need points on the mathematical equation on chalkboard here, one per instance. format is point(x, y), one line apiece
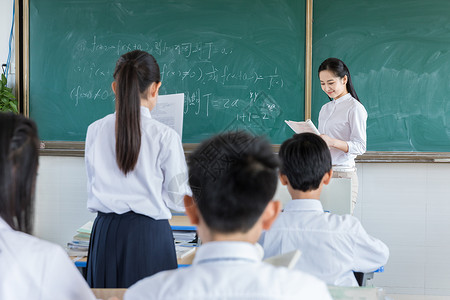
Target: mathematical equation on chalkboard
point(214, 77)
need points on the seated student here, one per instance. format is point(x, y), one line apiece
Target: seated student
point(332, 246)
point(29, 268)
point(233, 178)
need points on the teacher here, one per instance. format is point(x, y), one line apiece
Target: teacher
point(342, 121)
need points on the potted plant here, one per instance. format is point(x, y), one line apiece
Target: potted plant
point(8, 102)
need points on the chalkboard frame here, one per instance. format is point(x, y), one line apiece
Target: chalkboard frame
point(27, 38)
point(64, 148)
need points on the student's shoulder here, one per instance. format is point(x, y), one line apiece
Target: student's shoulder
point(101, 122)
point(345, 223)
point(295, 282)
point(158, 130)
point(155, 286)
point(34, 249)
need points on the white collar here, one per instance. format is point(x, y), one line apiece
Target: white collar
point(304, 205)
point(228, 251)
point(145, 112)
point(346, 97)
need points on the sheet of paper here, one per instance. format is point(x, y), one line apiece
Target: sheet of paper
point(300, 127)
point(169, 111)
point(287, 260)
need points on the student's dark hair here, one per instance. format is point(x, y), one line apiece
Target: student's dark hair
point(305, 158)
point(135, 72)
point(233, 176)
point(19, 145)
point(339, 68)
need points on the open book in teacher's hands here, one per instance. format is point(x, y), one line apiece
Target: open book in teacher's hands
point(300, 127)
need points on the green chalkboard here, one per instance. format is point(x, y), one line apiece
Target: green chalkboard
point(239, 63)
point(398, 53)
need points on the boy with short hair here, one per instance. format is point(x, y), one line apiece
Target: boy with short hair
point(233, 177)
point(332, 246)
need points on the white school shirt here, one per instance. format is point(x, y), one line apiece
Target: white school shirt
point(35, 269)
point(345, 119)
point(156, 185)
point(332, 246)
point(229, 270)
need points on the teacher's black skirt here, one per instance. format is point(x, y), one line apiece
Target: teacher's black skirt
point(126, 248)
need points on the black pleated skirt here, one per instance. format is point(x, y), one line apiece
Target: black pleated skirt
point(127, 248)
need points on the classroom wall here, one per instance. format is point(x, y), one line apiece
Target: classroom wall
point(5, 27)
point(6, 11)
point(407, 207)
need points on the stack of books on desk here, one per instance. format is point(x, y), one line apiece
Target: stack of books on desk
point(183, 237)
point(79, 245)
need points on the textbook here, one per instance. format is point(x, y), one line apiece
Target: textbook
point(183, 251)
point(287, 260)
point(86, 228)
point(79, 245)
point(300, 127)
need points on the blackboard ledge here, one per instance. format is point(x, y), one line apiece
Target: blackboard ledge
point(403, 157)
point(76, 149)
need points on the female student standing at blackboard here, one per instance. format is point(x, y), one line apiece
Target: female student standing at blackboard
point(136, 173)
point(342, 121)
point(29, 268)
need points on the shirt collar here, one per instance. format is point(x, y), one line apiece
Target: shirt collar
point(343, 98)
point(4, 225)
point(145, 112)
point(223, 251)
point(304, 205)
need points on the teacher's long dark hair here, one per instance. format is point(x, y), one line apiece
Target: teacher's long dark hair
point(135, 72)
point(339, 68)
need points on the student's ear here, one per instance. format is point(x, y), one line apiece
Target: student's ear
point(327, 177)
point(283, 179)
point(113, 86)
point(344, 79)
point(191, 210)
point(270, 214)
point(154, 89)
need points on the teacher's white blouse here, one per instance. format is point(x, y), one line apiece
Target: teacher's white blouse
point(35, 269)
point(345, 119)
point(156, 185)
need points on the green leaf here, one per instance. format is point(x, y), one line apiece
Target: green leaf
point(14, 107)
point(9, 95)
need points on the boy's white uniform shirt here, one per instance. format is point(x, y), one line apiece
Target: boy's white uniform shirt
point(157, 184)
point(229, 270)
point(35, 269)
point(345, 119)
point(332, 246)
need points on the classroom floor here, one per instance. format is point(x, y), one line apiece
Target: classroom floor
point(415, 297)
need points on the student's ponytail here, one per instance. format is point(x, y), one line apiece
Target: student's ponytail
point(339, 68)
point(128, 118)
point(135, 72)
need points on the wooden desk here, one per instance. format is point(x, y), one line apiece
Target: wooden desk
point(105, 294)
point(360, 293)
point(181, 222)
point(344, 293)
